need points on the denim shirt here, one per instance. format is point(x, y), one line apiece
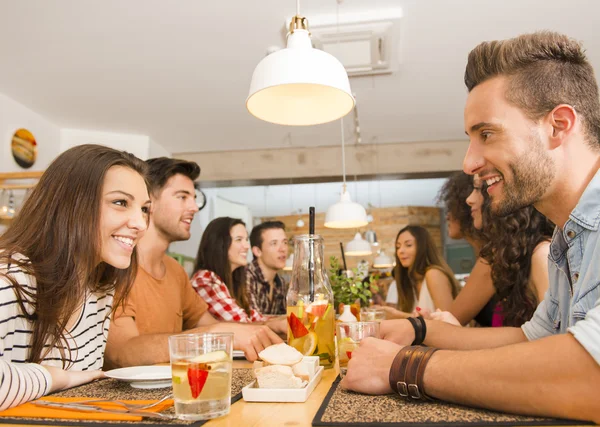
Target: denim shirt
point(572, 303)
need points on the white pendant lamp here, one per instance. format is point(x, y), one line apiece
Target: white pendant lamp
point(345, 213)
point(382, 261)
point(358, 247)
point(299, 85)
point(289, 263)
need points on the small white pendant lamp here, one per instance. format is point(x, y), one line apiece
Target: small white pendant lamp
point(358, 246)
point(382, 261)
point(345, 213)
point(299, 85)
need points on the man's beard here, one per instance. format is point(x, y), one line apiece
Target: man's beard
point(171, 232)
point(532, 174)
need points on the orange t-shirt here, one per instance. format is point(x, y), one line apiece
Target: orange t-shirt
point(168, 305)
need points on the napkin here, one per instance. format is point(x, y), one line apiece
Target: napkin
point(29, 410)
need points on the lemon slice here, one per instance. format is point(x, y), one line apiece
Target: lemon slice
point(306, 344)
point(215, 356)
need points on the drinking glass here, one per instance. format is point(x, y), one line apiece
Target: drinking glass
point(348, 336)
point(372, 314)
point(201, 369)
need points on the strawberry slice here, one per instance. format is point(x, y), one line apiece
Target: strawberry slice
point(317, 310)
point(298, 329)
point(197, 375)
point(349, 354)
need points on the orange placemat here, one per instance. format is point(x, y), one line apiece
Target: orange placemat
point(29, 410)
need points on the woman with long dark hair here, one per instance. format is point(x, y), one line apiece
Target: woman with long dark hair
point(517, 249)
point(68, 258)
point(422, 277)
point(220, 273)
point(512, 275)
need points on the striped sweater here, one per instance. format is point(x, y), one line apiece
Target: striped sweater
point(20, 381)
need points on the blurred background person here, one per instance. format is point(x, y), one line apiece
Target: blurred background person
point(266, 291)
point(421, 276)
point(220, 274)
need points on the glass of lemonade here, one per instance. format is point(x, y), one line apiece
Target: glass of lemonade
point(201, 369)
point(348, 336)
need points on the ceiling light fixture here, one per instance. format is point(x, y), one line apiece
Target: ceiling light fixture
point(345, 213)
point(358, 246)
point(382, 261)
point(299, 85)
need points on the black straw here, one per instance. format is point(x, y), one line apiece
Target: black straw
point(311, 251)
point(343, 256)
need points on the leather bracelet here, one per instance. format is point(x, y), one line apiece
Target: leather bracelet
point(418, 325)
point(407, 371)
point(421, 320)
point(398, 369)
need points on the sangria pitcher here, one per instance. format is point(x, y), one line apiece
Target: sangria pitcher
point(310, 313)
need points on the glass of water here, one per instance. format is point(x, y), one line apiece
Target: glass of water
point(201, 370)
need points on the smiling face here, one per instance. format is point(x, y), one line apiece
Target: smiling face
point(506, 149)
point(238, 250)
point(274, 249)
point(174, 208)
point(123, 215)
point(475, 201)
point(406, 249)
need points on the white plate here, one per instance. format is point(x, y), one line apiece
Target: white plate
point(251, 393)
point(143, 376)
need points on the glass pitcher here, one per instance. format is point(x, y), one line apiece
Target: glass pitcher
point(310, 312)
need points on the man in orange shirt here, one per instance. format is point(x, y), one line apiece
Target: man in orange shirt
point(162, 301)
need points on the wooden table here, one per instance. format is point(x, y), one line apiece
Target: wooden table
point(276, 414)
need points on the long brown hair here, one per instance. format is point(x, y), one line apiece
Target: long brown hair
point(213, 256)
point(427, 257)
point(57, 231)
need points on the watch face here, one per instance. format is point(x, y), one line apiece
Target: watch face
point(200, 199)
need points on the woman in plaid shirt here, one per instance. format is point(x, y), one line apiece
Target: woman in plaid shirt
point(220, 274)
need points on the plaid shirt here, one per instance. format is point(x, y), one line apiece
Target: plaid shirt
point(220, 302)
point(259, 289)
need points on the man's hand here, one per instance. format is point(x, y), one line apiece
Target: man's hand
point(252, 339)
point(369, 369)
point(398, 331)
point(62, 379)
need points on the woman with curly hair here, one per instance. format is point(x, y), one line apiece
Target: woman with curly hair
point(476, 300)
point(512, 260)
point(517, 250)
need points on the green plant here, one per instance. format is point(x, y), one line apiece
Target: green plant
point(347, 290)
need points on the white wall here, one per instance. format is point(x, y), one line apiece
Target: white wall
point(156, 150)
point(135, 144)
point(14, 116)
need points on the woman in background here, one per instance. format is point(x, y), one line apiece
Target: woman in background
point(422, 277)
point(68, 252)
point(476, 300)
point(512, 268)
point(220, 274)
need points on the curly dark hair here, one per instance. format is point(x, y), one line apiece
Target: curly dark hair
point(453, 195)
point(510, 242)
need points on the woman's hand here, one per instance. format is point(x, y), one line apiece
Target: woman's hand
point(62, 380)
point(443, 316)
point(392, 313)
point(279, 325)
